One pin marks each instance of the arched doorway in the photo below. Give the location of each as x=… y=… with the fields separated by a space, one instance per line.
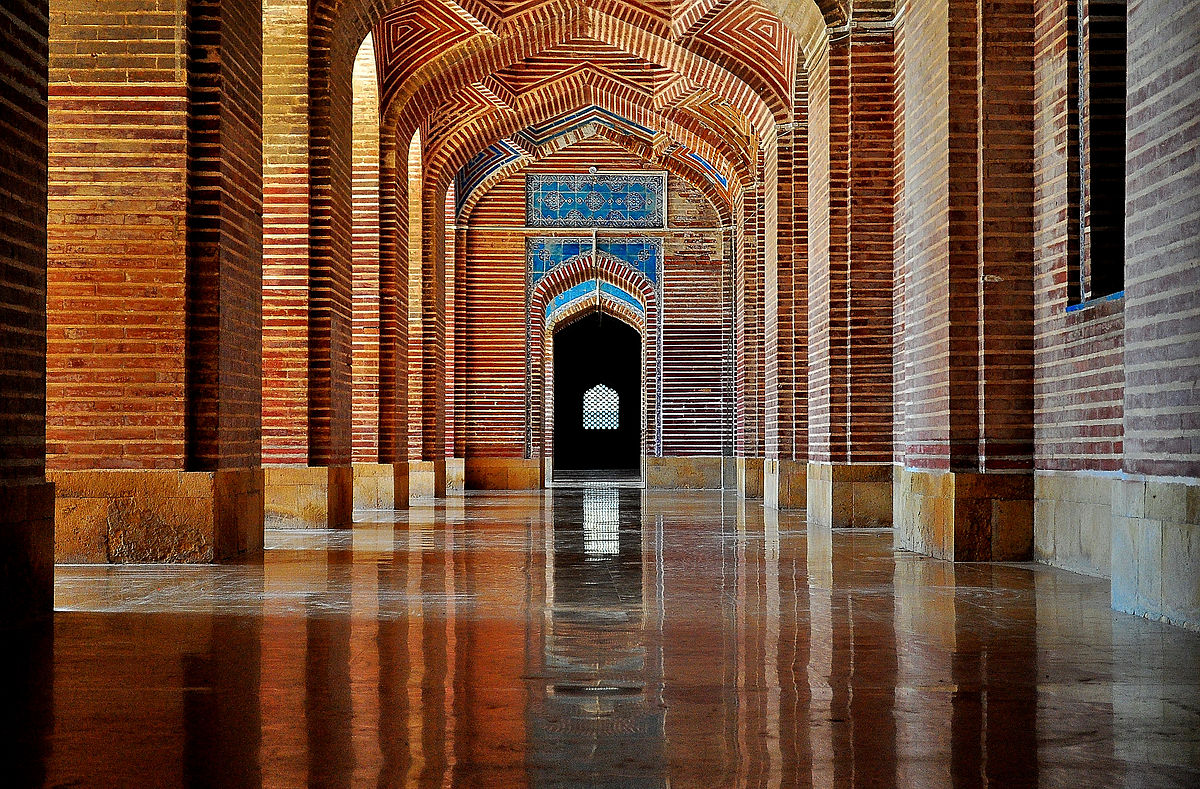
x=597 y=395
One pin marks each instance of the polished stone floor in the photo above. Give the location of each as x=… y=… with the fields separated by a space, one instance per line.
x=596 y=637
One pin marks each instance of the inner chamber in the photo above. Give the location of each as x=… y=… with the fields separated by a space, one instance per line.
x=597 y=395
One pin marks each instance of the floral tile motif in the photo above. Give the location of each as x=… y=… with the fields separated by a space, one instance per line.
x=603 y=200
x=544 y=253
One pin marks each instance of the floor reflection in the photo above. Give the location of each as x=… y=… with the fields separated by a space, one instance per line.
x=596 y=637
x=595 y=714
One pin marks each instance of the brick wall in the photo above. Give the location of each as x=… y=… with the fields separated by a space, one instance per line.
x=818 y=253
x=697 y=327
x=899 y=224
x=926 y=159
x=786 y=286
x=434 y=306
x=493 y=312
x=1162 y=278
x=23 y=37
x=155 y=246
x=1003 y=273
x=1078 y=354
x=393 y=301
x=794 y=250
x=967 y=98
x=749 y=383
x=366 y=256
x=450 y=256
x=330 y=289
x=117 y=225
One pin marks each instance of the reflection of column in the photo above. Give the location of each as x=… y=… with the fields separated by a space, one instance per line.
x=924 y=621
x=820 y=655
x=222 y=721
x=452 y=656
x=853 y=648
x=283 y=658
x=418 y=529
x=774 y=774
x=369 y=545
x=327 y=702
x=740 y=657
x=870 y=674
x=795 y=694
x=392 y=641
x=994 y=667
x=417 y=644
x=27 y=704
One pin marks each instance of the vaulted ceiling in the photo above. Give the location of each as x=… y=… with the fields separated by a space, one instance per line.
x=493 y=84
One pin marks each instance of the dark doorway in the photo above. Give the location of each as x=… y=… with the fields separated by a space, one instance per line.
x=597 y=395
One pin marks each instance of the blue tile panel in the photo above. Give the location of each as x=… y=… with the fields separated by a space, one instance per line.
x=544 y=253
x=586 y=290
x=596 y=200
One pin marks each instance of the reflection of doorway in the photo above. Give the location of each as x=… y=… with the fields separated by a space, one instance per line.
x=597 y=395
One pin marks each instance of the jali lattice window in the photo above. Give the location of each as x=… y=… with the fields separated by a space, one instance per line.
x=601 y=408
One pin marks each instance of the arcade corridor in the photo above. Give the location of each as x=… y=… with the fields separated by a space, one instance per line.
x=322 y=321
x=605 y=639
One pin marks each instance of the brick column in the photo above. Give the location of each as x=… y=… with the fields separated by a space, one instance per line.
x=749 y=219
x=154 y=284
x=433 y=336
x=292 y=491
x=393 y=312
x=455 y=265
x=785 y=467
x=224 y=260
x=374 y=478
x=966 y=491
x=327 y=482
x=850 y=284
x=26 y=498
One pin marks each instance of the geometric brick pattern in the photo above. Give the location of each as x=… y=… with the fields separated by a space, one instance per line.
x=752 y=43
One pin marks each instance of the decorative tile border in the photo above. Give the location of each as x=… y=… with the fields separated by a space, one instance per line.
x=544 y=253
x=589 y=289
x=602 y=200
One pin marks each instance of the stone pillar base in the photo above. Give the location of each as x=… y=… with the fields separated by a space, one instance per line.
x=309 y=497
x=684 y=473
x=481 y=473
x=401 y=484
x=374 y=486
x=1156 y=550
x=456 y=475
x=1072 y=521
x=157 y=515
x=26 y=552
x=844 y=495
x=426 y=479
x=965 y=516
x=750 y=478
x=785 y=484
